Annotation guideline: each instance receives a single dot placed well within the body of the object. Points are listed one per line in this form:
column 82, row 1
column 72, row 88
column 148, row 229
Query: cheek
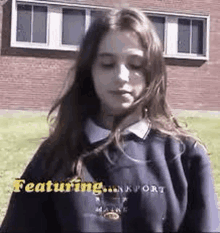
column 101, row 77
column 101, row 83
column 138, row 90
column 139, row 86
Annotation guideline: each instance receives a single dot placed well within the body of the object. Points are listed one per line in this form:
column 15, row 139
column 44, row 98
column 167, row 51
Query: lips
column 120, row 92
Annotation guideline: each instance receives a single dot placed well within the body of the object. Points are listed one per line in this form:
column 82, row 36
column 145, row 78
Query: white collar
column 96, row 133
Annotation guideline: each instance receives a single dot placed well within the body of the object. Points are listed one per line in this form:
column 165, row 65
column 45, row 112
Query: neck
column 106, row 119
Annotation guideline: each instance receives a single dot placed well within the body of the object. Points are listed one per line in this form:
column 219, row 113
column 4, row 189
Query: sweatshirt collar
column 96, row 133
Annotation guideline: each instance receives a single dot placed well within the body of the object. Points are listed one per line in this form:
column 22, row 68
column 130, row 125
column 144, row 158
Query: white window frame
column 171, row 34
column 204, row 38
column 54, row 28
column 24, row 44
column 54, row 24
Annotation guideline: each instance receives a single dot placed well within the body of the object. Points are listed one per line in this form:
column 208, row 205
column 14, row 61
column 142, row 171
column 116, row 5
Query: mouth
column 120, row 92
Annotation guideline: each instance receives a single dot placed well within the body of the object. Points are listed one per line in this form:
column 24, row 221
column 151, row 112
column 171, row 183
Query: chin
column 121, row 110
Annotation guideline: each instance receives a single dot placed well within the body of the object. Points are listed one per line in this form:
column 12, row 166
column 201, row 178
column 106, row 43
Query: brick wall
column 31, row 79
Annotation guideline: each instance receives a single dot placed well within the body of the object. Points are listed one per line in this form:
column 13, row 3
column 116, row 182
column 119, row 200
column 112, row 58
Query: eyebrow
column 106, row 54
column 113, row 54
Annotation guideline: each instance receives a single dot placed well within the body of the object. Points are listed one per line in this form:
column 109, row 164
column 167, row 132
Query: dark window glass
column 96, row 14
column 73, row 26
column 40, row 24
column 184, row 36
column 31, row 27
column 24, row 23
column 197, row 36
column 159, row 24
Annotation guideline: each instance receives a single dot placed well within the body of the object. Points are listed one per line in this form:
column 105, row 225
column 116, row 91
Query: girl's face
column 117, row 71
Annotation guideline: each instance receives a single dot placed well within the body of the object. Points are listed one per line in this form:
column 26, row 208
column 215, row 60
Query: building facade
column 40, row 41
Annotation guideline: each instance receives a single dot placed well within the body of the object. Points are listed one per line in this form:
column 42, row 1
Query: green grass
column 20, row 136
column 208, row 131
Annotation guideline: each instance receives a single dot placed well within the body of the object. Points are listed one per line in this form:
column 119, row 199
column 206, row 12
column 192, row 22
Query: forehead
column 119, row 42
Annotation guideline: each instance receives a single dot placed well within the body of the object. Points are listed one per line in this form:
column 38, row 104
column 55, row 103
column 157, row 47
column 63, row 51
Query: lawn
column 21, row 134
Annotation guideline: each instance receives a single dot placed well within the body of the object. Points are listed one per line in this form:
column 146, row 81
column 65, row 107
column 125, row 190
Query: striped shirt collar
column 96, row 133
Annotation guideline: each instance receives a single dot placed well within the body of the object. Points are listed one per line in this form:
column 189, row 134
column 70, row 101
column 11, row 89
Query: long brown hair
column 66, row 143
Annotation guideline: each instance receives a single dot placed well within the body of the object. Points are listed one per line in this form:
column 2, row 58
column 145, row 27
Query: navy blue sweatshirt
column 163, row 185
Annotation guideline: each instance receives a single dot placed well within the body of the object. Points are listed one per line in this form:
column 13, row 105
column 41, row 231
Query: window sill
column 187, row 57
column 27, row 45
column 75, row 48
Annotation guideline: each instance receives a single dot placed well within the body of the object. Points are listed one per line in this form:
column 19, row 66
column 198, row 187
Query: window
column 73, row 26
column 52, row 26
column 31, row 23
column 62, row 27
column 190, row 36
column 182, row 37
column 159, row 24
column 95, row 14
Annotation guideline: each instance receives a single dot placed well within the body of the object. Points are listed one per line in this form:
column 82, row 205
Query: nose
column 123, row 73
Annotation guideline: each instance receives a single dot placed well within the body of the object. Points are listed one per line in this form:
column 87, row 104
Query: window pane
column 73, row 26
column 24, row 23
column 184, row 36
column 197, row 36
column 96, row 14
column 159, row 24
column 40, row 24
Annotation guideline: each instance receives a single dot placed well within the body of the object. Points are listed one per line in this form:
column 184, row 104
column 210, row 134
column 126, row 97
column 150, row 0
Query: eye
column 109, row 65
column 135, row 67
column 107, row 61
column 135, row 62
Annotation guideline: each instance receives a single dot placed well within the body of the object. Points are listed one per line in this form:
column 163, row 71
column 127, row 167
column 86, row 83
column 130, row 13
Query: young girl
column 116, row 159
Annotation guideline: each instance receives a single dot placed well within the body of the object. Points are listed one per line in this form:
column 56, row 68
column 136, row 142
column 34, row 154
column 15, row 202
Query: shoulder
column 35, row 170
column 187, row 149
column 50, row 162
column 195, row 152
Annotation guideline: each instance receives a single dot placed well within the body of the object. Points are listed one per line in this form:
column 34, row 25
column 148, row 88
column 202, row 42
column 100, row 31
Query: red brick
column 31, row 81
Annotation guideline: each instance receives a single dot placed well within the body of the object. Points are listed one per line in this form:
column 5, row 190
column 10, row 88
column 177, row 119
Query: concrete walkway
column 176, row 112
column 10, row 112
